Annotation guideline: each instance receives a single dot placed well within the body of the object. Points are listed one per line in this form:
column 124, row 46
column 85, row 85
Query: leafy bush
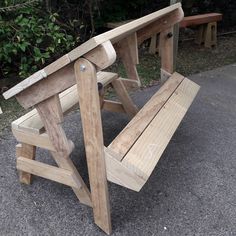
column 28, row 38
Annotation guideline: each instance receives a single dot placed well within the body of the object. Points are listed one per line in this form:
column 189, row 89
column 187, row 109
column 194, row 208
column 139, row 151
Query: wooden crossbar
column 47, row 171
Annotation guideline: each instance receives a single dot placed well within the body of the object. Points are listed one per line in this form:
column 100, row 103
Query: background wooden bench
column 207, row 24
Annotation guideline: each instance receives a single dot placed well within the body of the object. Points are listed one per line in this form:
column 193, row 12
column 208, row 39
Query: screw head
column 82, row 67
column 169, row 35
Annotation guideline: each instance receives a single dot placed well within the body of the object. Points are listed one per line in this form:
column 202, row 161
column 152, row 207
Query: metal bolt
column 82, row 67
column 169, row 35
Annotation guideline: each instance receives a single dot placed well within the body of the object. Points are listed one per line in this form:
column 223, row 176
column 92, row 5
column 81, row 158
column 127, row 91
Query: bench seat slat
column 124, row 141
column 31, row 121
column 147, row 150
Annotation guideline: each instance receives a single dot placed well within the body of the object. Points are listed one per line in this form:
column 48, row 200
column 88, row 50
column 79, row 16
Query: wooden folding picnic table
column 78, row 78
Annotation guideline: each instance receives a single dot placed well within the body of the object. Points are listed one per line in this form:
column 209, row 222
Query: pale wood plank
column 124, row 141
column 113, row 106
column 127, row 49
column 93, row 139
column 69, row 99
column 130, row 108
column 39, row 140
column 167, row 50
column 102, row 56
column 176, row 37
column 130, row 84
column 46, row 171
column 153, row 44
column 159, row 25
column 28, row 152
column 146, row 152
column 119, row 174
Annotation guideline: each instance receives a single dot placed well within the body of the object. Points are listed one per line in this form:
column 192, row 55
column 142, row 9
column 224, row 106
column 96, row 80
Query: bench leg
column 153, row 48
column 200, row 35
column 210, row 39
column 127, row 49
column 26, row 151
column 167, row 53
column 51, row 115
column 93, row 138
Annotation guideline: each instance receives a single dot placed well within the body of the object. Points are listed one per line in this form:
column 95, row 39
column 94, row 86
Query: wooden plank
column 40, row 140
column 53, row 84
column 93, row 139
column 46, row 171
column 102, row 56
column 113, row 106
column 130, row 84
column 130, row 108
column 145, row 153
column 113, row 35
column 200, row 19
column 119, row 174
column 28, row 152
column 153, row 44
column 167, row 51
column 124, row 141
column 176, row 36
column 31, row 122
column 159, row 25
column 127, row 49
column 112, row 25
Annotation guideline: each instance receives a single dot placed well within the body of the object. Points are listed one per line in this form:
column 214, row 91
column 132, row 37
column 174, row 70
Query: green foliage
column 28, row 39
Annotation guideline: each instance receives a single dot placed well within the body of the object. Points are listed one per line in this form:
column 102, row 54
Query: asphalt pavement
column 192, row 191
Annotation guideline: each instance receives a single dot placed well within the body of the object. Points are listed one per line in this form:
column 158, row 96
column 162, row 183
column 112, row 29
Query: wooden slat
column 127, row 49
column 112, row 35
column 200, row 19
column 113, row 106
column 167, row 50
column 31, row 122
column 145, row 153
column 46, row 171
column 119, row 174
column 124, row 141
column 39, row 140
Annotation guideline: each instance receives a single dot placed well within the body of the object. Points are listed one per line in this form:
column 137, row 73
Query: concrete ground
column 192, row 191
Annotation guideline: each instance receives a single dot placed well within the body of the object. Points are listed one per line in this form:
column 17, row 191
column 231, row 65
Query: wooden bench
column 78, row 78
column 207, row 23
